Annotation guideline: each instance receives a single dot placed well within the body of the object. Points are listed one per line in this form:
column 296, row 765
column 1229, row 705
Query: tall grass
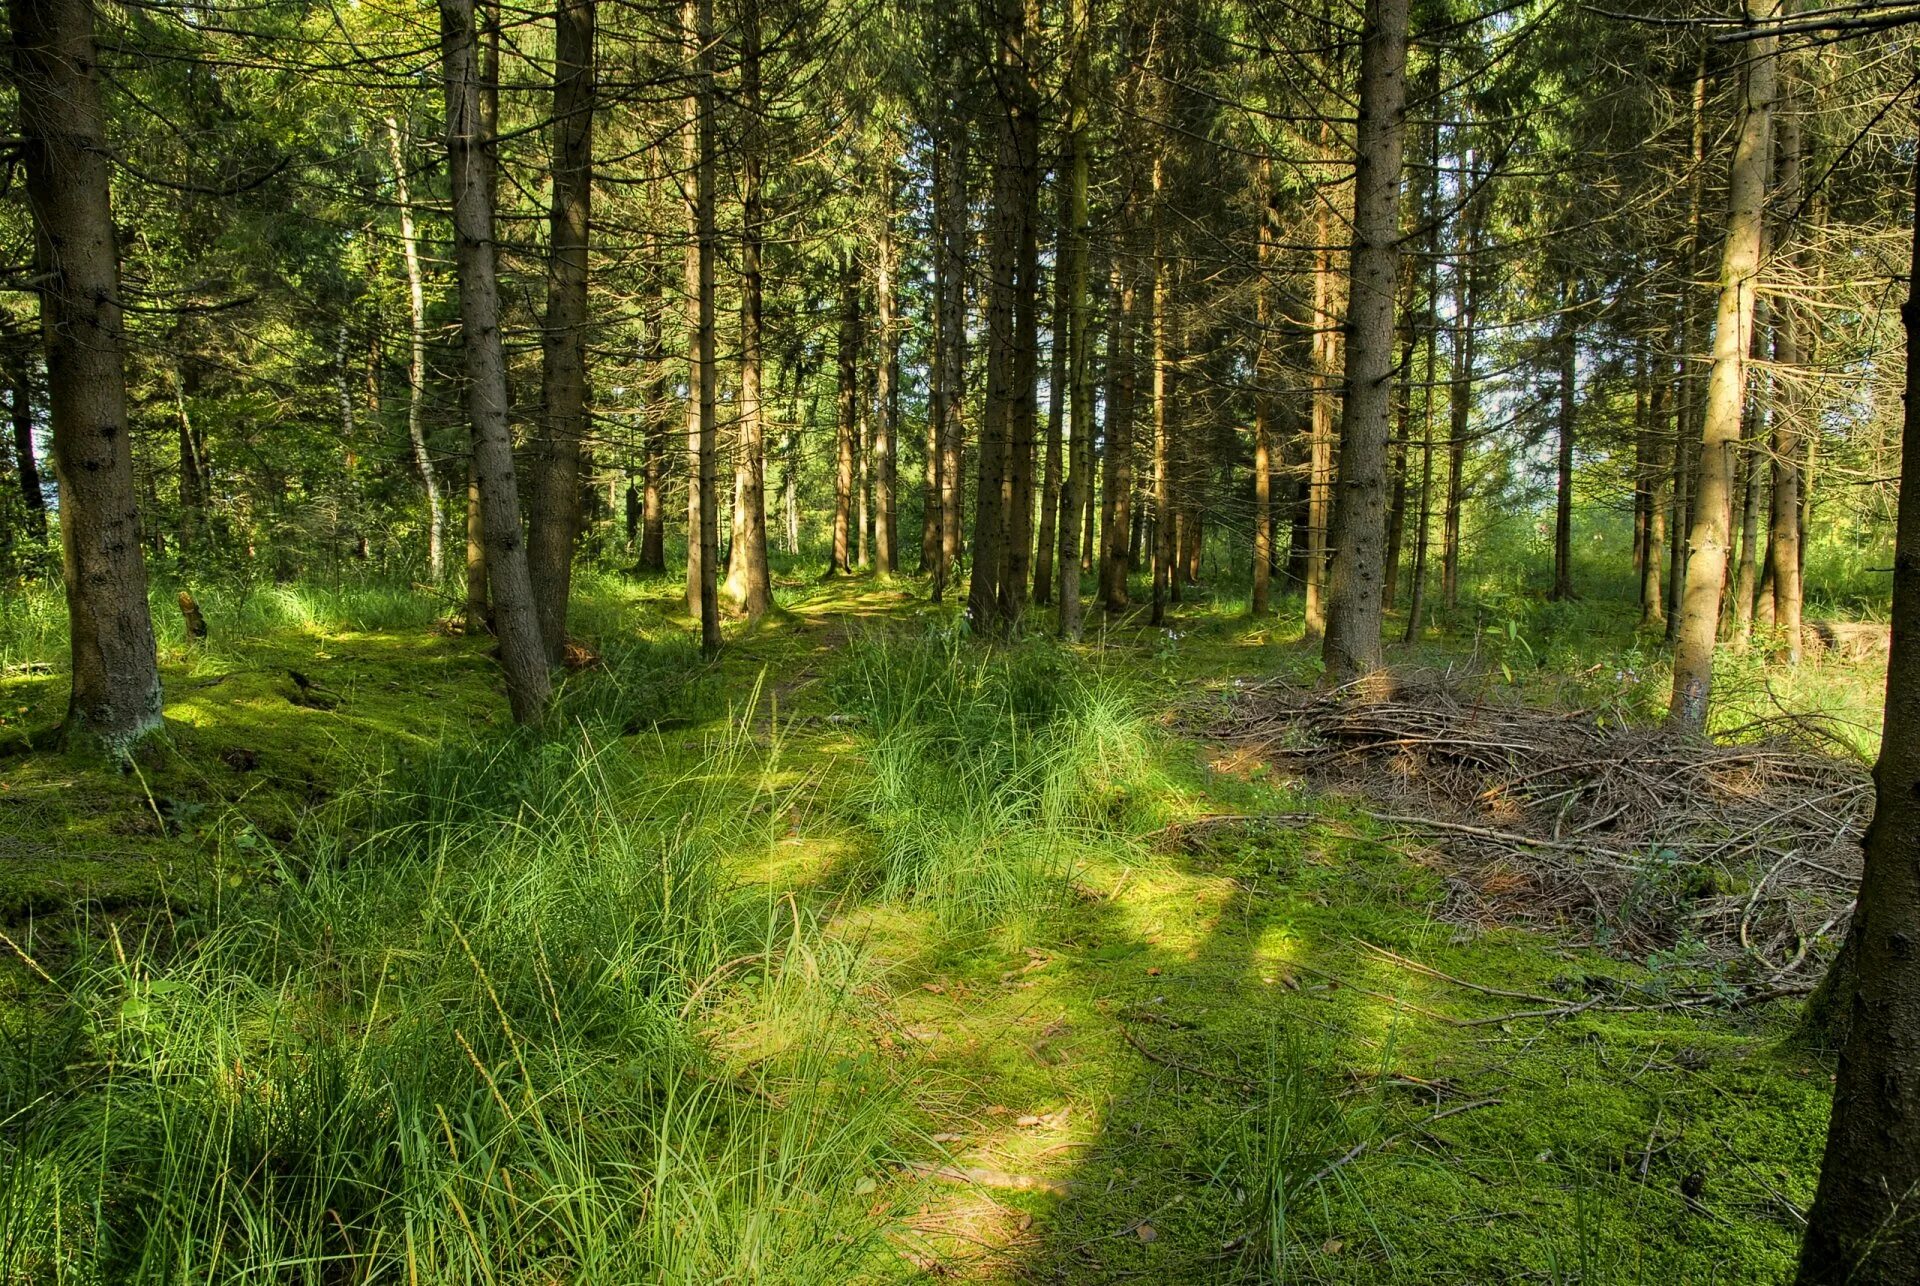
column 991, row 773
column 452, row 1034
column 33, row 617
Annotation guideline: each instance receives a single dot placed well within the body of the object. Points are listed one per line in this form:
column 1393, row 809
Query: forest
column 825, row 641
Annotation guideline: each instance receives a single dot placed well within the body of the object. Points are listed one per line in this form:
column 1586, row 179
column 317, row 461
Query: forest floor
column 1196, row 1047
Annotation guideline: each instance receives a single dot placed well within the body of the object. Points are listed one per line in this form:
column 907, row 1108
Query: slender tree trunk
column 1687, row 399
column 847, row 425
column 990, row 523
column 653, row 460
column 940, row 379
column 1326, row 357
column 1726, row 390
column 863, row 462
column 1466, row 287
column 703, row 494
column 1652, row 599
column 1352, row 646
column 20, row 407
column 1563, row 472
column 953, row 219
column 1024, row 405
column 1747, row 575
column 1398, row 442
column 1078, row 316
column 116, row 678
column 886, row 423
column 1264, row 379
column 417, row 359
column 1423, row 520
column 1861, row 1229
column 1784, row 518
column 1121, row 396
column 1050, row 485
column 1159, row 295
column 469, row 151
column 478, row 618
column 749, row 578
column 555, row 528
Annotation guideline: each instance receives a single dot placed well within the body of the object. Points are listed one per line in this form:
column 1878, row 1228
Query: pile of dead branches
column 1644, row 839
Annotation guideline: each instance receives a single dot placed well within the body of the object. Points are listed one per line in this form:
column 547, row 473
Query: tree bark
column 1050, row 485
column 1078, row 316
column 1352, row 646
column 1024, row 401
column 1326, row 356
column 886, row 411
column 1860, row 1229
column 653, row 459
column 469, row 152
column 749, row 577
column 1466, row 287
column 847, row 424
column 417, row 359
column 1652, row 599
column 952, row 250
column 703, row 496
column 1784, row 516
column 1121, row 396
column 1264, row 380
column 555, row 527
column 1563, row 471
column 1726, row 389
column 116, row 696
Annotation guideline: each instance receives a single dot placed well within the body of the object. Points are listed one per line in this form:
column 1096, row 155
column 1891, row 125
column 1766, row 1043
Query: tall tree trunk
column 1784, row 518
column 1050, row 485
column 1861, row 1229
column 1688, row 401
column 1352, row 646
column 749, row 578
column 116, row 678
column 952, row 250
column 1264, row 380
column 417, row 359
column 1652, row 600
column 654, row 430
column 1024, row 405
column 1078, row 318
column 469, row 152
column 997, row 429
column 1159, row 295
column 1423, row 518
column 1121, row 396
column 703, row 494
column 1749, row 491
column 863, row 490
column 1563, row 471
column 1326, row 356
column 555, row 527
column 1726, row 389
column 886, row 411
column 1466, row 296
column 939, row 379
column 847, row 425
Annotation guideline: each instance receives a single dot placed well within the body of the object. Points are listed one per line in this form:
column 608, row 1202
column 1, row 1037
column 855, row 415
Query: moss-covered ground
column 1221, row 1053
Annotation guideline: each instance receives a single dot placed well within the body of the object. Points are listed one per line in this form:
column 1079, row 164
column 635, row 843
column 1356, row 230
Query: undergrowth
column 989, row 774
column 451, row 1033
